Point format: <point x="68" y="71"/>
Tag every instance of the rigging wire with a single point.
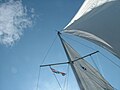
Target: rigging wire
<point x="80" y="43"/>
<point x="98" y="61"/>
<point x="110" y="60"/>
<point x="100" y="67"/>
<point x="93" y="49"/>
<point x="66" y="79"/>
<point x="94" y="63"/>
<point x="49" y="50"/>
<point x="92" y="58"/>
<point x="54" y="74"/>
<point x="37" y="85"/>
<point x="57" y="79"/>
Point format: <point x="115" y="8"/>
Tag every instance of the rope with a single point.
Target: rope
<point x="38" y="79"/>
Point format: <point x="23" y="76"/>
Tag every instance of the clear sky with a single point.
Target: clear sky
<point x="27" y="30"/>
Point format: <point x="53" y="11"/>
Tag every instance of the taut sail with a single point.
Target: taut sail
<point x="87" y="76"/>
<point x="99" y="22"/>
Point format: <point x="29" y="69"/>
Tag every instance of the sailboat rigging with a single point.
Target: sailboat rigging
<point x="96" y="21"/>
<point x="88" y="77"/>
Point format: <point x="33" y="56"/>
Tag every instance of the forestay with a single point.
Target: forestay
<point x="99" y="22"/>
<point x="90" y="78"/>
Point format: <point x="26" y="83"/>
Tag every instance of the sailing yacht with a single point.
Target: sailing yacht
<point x="97" y="21"/>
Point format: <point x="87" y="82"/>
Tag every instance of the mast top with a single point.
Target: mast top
<point x="58" y="32"/>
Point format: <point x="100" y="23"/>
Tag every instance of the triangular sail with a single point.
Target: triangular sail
<point x="99" y="22"/>
<point x="90" y="78"/>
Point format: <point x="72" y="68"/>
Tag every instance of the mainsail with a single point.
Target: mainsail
<point x="87" y="76"/>
<point x="99" y="22"/>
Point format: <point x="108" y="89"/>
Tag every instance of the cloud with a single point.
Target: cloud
<point x="14" y="19"/>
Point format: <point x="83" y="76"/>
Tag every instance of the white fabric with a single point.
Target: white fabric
<point x="100" y="22"/>
<point x="86" y="7"/>
<point x="90" y="78"/>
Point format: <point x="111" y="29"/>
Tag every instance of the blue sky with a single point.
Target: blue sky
<point x="20" y="59"/>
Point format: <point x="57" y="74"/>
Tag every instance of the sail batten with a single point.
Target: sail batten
<point x="99" y="19"/>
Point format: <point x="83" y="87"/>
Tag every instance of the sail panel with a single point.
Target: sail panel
<point x="90" y="78"/>
<point x="86" y="7"/>
<point x="99" y="18"/>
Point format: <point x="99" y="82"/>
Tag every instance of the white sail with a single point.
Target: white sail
<point x="99" y="22"/>
<point x="90" y="78"/>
